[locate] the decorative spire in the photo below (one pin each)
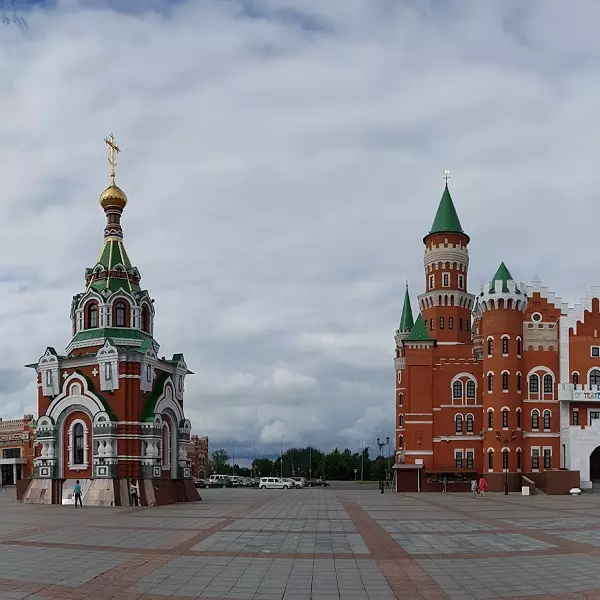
(419, 332)
(113, 150)
(113, 199)
(503, 275)
(446, 217)
(406, 320)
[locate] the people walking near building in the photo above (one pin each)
(135, 494)
(77, 494)
(474, 487)
(444, 483)
(483, 485)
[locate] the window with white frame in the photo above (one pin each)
(535, 419)
(575, 378)
(457, 390)
(547, 458)
(490, 379)
(505, 418)
(107, 370)
(505, 459)
(490, 419)
(575, 416)
(505, 346)
(471, 389)
(535, 459)
(400, 420)
(461, 282)
(445, 279)
(518, 346)
(595, 377)
(534, 384)
(595, 351)
(458, 455)
(519, 453)
(490, 346)
(547, 418)
(470, 423)
(459, 423)
(431, 282)
(548, 384)
(518, 418)
(48, 377)
(149, 372)
(491, 460)
(518, 382)
(78, 445)
(505, 381)
(470, 458)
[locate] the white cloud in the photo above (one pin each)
(282, 168)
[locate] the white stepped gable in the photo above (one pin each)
(546, 294)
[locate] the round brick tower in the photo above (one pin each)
(502, 303)
(446, 305)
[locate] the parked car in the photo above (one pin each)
(317, 483)
(219, 481)
(200, 483)
(300, 481)
(293, 483)
(275, 483)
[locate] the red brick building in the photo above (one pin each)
(16, 449)
(110, 410)
(198, 455)
(504, 381)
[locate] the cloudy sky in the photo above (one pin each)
(283, 160)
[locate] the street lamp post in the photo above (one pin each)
(355, 472)
(232, 457)
(362, 458)
(381, 445)
(505, 441)
(254, 461)
(309, 461)
(281, 459)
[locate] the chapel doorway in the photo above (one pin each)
(595, 465)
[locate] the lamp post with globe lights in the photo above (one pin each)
(382, 445)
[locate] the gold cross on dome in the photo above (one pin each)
(113, 150)
(446, 175)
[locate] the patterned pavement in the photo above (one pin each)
(349, 543)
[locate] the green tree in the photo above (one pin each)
(263, 467)
(219, 462)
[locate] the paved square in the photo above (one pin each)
(345, 543)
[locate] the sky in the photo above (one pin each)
(283, 160)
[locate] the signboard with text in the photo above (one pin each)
(586, 396)
(11, 438)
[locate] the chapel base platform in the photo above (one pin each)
(107, 492)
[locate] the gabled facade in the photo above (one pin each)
(110, 410)
(504, 381)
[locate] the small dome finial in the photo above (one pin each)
(112, 195)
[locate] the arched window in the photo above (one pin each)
(491, 460)
(166, 444)
(459, 421)
(534, 384)
(518, 382)
(518, 459)
(470, 389)
(518, 346)
(145, 319)
(400, 420)
(505, 345)
(78, 444)
(92, 316)
(120, 314)
(490, 419)
(490, 346)
(469, 423)
(595, 377)
(505, 418)
(548, 386)
(535, 419)
(505, 459)
(400, 442)
(490, 382)
(504, 381)
(457, 389)
(518, 418)
(575, 378)
(547, 416)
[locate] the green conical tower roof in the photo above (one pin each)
(503, 275)
(419, 332)
(446, 217)
(406, 320)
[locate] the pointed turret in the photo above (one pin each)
(503, 275)
(406, 320)
(419, 332)
(446, 218)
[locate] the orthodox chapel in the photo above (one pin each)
(110, 411)
(503, 381)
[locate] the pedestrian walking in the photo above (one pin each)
(483, 485)
(134, 493)
(2, 485)
(474, 487)
(444, 484)
(77, 493)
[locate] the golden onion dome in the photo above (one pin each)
(113, 196)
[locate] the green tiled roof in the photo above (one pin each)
(446, 217)
(503, 275)
(113, 333)
(113, 253)
(419, 332)
(406, 320)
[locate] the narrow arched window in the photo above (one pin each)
(548, 387)
(504, 345)
(575, 378)
(92, 316)
(490, 382)
(490, 347)
(166, 443)
(518, 419)
(547, 416)
(145, 319)
(457, 389)
(504, 381)
(120, 314)
(459, 421)
(595, 377)
(469, 423)
(505, 460)
(534, 384)
(535, 419)
(518, 382)
(491, 460)
(470, 389)
(505, 418)
(490, 420)
(518, 346)
(400, 420)
(78, 444)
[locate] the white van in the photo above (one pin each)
(274, 483)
